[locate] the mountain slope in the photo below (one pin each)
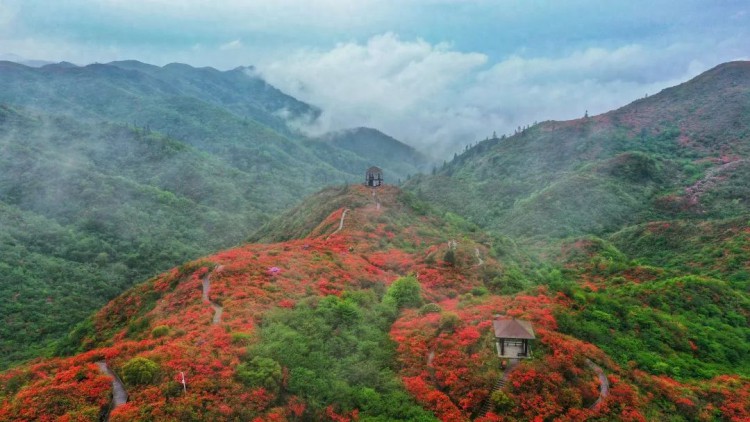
(233, 115)
(146, 167)
(393, 156)
(682, 152)
(100, 207)
(380, 311)
(104, 90)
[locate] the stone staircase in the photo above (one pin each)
(499, 385)
(487, 402)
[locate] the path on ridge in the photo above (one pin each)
(218, 310)
(603, 384)
(376, 199)
(119, 394)
(479, 257)
(341, 223)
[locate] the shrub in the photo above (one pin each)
(240, 338)
(479, 291)
(260, 372)
(406, 292)
(137, 327)
(450, 257)
(449, 322)
(500, 401)
(160, 331)
(139, 371)
(430, 308)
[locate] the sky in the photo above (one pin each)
(437, 74)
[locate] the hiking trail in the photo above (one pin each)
(487, 404)
(603, 384)
(218, 310)
(119, 394)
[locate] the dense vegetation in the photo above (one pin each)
(372, 322)
(341, 356)
(682, 153)
(685, 327)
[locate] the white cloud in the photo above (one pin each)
(433, 95)
(385, 83)
(524, 90)
(232, 45)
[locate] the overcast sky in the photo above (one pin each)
(437, 73)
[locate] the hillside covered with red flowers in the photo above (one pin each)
(377, 308)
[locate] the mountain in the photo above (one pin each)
(396, 157)
(682, 153)
(382, 309)
(110, 173)
(130, 91)
(234, 115)
(621, 238)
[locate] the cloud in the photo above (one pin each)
(380, 83)
(436, 97)
(208, 19)
(232, 45)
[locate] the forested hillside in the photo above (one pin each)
(382, 309)
(683, 153)
(641, 217)
(110, 173)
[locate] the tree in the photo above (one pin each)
(260, 372)
(500, 401)
(406, 292)
(139, 371)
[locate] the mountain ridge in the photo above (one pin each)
(658, 153)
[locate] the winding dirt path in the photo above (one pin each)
(218, 310)
(377, 200)
(341, 223)
(603, 384)
(479, 257)
(430, 368)
(119, 394)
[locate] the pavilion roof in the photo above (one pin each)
(513, 328)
